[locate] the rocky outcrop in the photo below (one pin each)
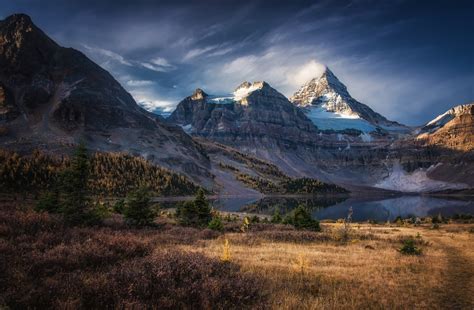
(453, 130)
(257, 115)
(52, 97)
(259, 120)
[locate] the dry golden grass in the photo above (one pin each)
(267, 266)
(367, 272)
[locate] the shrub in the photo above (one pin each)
(49, 202)
(245, 224)
(173, 280)
(409, 248)
(437, 219)
(254, 219)
(276, 218)
(301, 218)
(97, 213)
(216, 224)
(138, 210)
(119, 206)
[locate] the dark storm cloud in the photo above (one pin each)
(407, 60)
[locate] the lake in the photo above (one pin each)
(364, 208)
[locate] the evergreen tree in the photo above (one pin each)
(138, 209)
(196, 212)
(49, 202)
(75, 205)
(276, 218)
(301, 218)
(203, 208)
(216, 224)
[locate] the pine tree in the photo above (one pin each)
(196, 212)
(138, 210)
(301, 218)
(276, 218)
(203, 208)
(73, 186)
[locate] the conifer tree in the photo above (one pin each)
(73, 185)
(138, 210)
(196, 212)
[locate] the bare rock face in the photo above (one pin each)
(256, 115)
(453, 130)
(259, 120)
(52, 97)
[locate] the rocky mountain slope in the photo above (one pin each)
(255, 112)
(453, 129)
(359, 149)
(258, 120)
(51, 97)
(326, 101)
(246, 143)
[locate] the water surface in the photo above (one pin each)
(364, 208)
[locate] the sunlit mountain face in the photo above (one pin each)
(202, 154)
(394, 56)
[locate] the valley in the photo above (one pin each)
(248, 199)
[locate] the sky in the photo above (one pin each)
(408, 60)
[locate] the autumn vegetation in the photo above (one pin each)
(110, 174)
(69, 249)
(49, 263)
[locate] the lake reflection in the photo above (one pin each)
(379, 209)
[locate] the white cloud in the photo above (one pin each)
(139, 83)
(160, 61)
(153, 105)
(198, 52)
(220, 52)
(109, 54)
(305, 73)
(158, 64)
(284, 69)
(151, 102)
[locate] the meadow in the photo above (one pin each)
(49, 264)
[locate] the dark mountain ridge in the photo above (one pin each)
(53, 97)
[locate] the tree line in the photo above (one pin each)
(289, 185)
(109, 174)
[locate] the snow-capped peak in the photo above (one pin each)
(314, 91)
(327, 102)
(447, 116)
(245, 89)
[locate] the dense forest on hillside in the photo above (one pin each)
(110, 174)
(290, 186)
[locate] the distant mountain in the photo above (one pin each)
(453, 129)
(256, 115)
(329, 105)
(246, 143)
(324, 134)
(51, 97)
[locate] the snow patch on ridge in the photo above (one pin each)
(221, 99)
(243, 91)
(417, 181)
(326, 120)
(187, 128)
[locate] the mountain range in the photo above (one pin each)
(53, 97)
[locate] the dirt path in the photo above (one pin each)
(458, 284)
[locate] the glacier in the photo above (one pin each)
(326, 120)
